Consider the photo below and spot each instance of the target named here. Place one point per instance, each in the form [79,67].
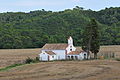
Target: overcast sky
[54,5]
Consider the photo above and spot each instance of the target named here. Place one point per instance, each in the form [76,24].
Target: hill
[34,29]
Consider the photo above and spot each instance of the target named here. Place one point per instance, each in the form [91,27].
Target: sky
[54,5]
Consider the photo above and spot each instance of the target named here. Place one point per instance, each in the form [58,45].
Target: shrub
[118,59]
[29,60]
[37,59]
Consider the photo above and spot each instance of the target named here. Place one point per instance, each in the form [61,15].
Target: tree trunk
[89,46]
[95,55]
[88,53]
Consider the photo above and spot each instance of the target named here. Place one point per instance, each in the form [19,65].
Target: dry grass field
[111,49]
[59,70]
[12,56]
[65,70]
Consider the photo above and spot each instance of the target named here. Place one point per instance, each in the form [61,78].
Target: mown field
[65,70]
[59,70]
[12,56]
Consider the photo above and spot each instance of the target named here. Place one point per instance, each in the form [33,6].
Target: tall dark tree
[86,41]
[91,39]
[95,38]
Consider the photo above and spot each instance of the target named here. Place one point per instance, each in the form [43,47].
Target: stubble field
[59,70]
[65,70]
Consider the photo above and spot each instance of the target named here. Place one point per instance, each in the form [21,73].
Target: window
[68,57]
[76,57]
[70,48]
[72,57]
[85,56]
[52,56]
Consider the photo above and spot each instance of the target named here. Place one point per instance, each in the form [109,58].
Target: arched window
[70,48]
[72,57]
[68,57]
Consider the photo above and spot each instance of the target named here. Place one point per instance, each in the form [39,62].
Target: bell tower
[70,41]
[70,47]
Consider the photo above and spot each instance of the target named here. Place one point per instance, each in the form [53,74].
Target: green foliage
[95,39]
[30,60]
[118,59]
[9,67]
[37,59]
[34,29]
[91,39]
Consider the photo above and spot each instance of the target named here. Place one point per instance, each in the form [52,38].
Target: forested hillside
[34,29]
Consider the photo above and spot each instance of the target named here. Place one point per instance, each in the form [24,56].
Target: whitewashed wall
[60,54]
[46,57]
[82,55]
[43,57]
[52,58]
[79,56]
[70,47]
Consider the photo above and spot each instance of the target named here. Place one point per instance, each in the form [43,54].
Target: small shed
[47,56]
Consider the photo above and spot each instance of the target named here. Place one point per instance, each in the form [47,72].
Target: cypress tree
[91,39]
[95,38]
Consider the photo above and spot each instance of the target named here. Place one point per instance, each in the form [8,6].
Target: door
[85,56]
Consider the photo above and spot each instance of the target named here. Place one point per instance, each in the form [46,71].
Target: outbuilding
[77,55]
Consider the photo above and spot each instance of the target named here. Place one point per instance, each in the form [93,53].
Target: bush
[37,59]
[118,59]
[29,60]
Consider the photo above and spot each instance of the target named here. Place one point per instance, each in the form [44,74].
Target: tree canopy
[34,29]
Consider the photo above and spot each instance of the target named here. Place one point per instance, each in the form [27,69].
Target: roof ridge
[55,46]
[50,52]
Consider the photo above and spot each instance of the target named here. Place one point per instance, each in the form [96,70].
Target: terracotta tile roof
[75,52]
[50,52]
[59,46]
